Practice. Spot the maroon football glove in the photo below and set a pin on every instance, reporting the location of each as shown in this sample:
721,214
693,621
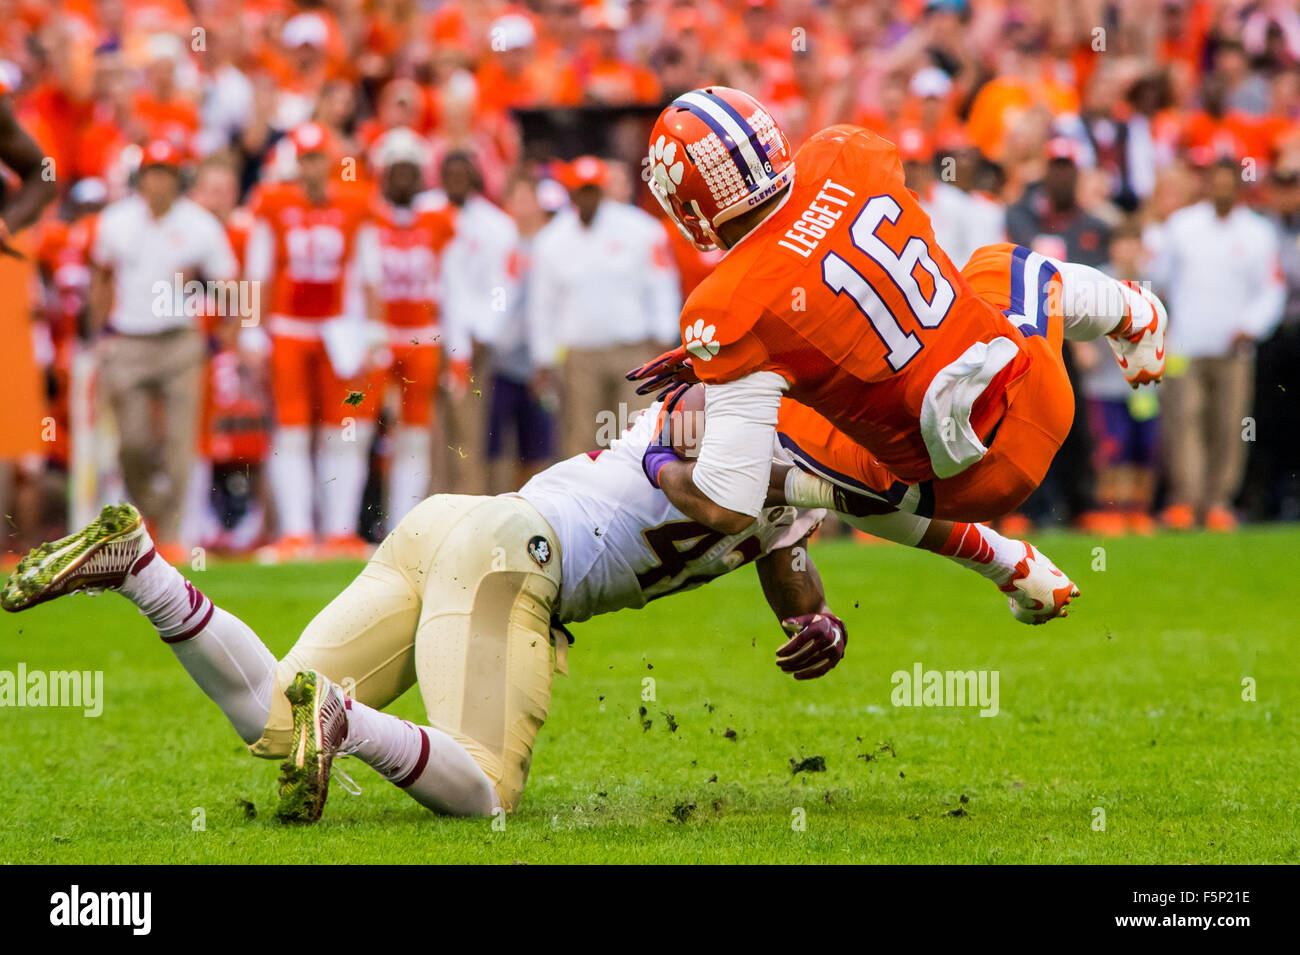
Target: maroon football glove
816,644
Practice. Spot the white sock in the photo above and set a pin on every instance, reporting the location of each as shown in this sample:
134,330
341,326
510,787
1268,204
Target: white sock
218,650
1093,303
291,481
408,478
429,765
341,467
174,606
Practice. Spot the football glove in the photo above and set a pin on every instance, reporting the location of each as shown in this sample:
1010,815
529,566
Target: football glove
670,368
816,644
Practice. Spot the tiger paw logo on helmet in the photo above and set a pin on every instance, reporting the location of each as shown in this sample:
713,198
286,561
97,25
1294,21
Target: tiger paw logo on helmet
698,339
661,167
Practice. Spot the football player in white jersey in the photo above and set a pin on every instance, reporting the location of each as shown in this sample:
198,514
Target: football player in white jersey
468,597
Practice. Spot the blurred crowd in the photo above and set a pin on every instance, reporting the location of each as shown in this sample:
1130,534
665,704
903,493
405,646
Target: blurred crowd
450,260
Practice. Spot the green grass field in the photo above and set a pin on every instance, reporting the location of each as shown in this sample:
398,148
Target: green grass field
1132,705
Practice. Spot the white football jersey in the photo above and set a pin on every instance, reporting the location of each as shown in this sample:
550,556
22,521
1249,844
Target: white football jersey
622,544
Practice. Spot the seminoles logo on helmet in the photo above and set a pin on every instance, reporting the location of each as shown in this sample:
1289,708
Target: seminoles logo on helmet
714,154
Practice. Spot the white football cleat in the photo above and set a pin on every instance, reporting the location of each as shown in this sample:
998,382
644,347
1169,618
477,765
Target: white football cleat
1141,352
1037,590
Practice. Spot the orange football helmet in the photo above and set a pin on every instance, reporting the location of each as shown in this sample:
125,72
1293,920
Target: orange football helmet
715,153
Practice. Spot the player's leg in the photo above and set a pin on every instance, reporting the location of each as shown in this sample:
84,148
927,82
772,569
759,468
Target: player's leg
125,379
363,639
1021,447
1232,389
114,552
582,403
826,460
484,651
535,426
1040,404
415,372
290,467
347,425
182,386
364,642
1032,289
1130,316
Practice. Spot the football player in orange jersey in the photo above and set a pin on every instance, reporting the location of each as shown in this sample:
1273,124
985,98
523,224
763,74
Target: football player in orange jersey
834,293
234,434
303,247
63,253
402,258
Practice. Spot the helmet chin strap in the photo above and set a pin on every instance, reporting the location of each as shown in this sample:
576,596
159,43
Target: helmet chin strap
707,228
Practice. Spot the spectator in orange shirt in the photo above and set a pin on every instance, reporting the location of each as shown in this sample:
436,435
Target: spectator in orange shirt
394,31
600,75
300,69
884,116
487,137
161,109
402,102
929,107
513,75
1023,85
807,99
1217,131
762,38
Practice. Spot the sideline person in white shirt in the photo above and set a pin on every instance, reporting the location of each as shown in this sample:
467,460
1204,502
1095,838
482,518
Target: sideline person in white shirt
1217,267
603,296
475,283
149,247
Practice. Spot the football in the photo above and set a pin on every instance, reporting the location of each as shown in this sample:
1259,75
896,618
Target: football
687,424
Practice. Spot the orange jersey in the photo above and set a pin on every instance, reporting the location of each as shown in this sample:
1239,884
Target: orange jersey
409,260
844,292
63,250
239,226
313,245
1022,284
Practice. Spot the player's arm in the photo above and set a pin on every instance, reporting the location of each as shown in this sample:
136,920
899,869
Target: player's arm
99,299
21,154
726,486
793,589
677,481
99,295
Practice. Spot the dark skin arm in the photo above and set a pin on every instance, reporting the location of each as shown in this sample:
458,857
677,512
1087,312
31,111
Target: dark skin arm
794,590
791,583
21,154
678,485
100,298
